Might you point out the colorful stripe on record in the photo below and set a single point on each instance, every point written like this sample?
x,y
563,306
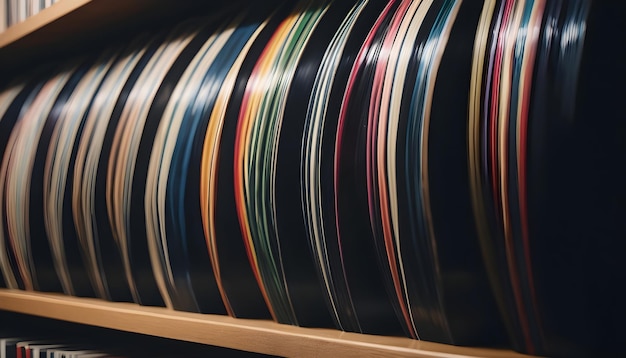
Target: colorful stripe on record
x,y
199,86
383,144
360,62
311,157
210,159
474,133
7,99
484,50
193,128
17,169
525,90
504,107
12,117
486,169
494,95
418,153
126,142
525,56
377,198
88,158
256,149
490,144
64,250
60,158
161,158
227,49
142,260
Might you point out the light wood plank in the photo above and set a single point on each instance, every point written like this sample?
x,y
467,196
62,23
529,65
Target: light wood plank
x,y
71,28
43,18
259,336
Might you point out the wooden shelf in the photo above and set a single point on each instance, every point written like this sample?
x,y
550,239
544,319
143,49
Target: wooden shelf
x,y
243,334
20,31
73,27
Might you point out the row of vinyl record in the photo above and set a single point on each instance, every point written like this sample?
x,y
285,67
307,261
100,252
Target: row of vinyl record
x,y
381,166
15,11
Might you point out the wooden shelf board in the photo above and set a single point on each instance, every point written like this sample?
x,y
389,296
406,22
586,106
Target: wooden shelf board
x,y
74,27
47,16
259,336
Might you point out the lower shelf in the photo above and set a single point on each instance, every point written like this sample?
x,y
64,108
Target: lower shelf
x,y
243,334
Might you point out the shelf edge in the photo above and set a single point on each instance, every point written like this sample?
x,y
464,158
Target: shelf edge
x,y
243,334
33,23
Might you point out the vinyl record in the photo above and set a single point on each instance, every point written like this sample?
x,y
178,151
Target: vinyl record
x,y
485,46
504,127
41,247
69,261
60,160
303,282
19,160
504,170
521,64
575,171
317,155
103,253
487,57
12,276
368,282
182,204
138,270
466,298
125,146
592,93
178,181
256,150
209,139
527,145
239,281
436,325
184,180
154,163
13,98
391,111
